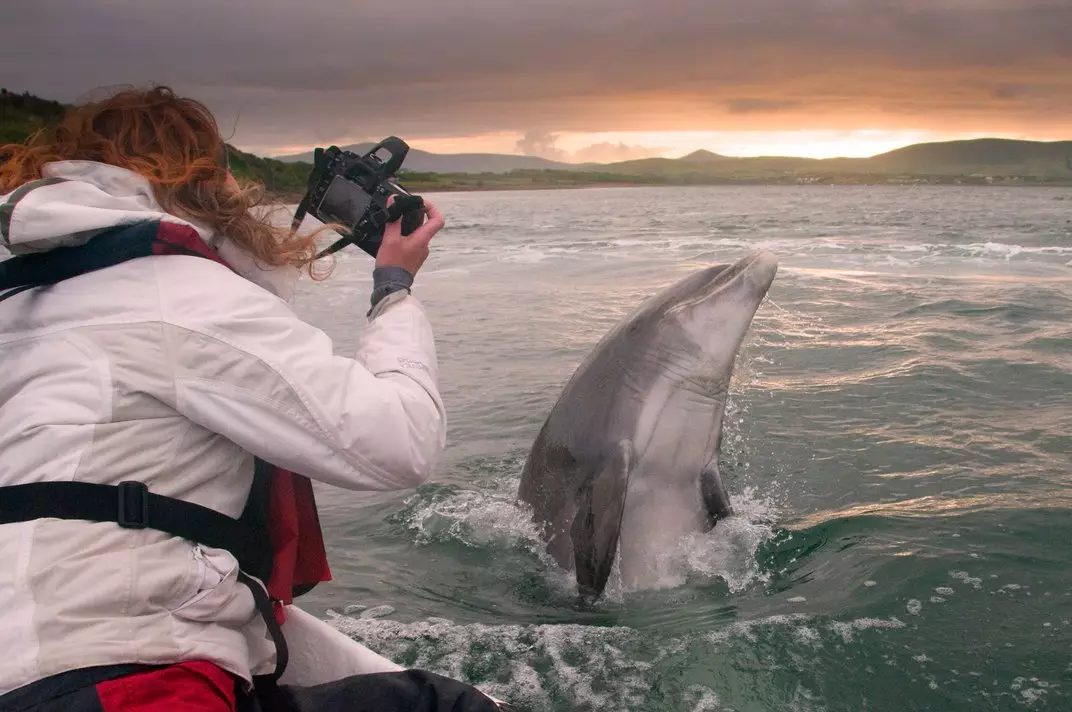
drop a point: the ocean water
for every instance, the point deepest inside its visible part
(898, 443)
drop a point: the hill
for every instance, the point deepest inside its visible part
(977, 161)
(703, 156)
(985, 155)
(283, 179)
(425, 162)
(22, 114)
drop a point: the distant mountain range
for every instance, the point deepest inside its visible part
(977, 161)
(986, 156)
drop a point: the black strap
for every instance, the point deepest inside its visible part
(16, 290)
(119, 244)
(131, 505)
(267, 611)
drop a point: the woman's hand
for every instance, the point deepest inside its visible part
(409, 252)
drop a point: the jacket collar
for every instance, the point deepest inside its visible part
(95, 196)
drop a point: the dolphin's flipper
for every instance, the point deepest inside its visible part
(715, 496)
(598, 522)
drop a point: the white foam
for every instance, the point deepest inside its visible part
(474, 518)
(746, 629)
(704, 699)
(807, 636)
(493, 518)
(727, 552)
(587, 661)
(850, 250)
(378, 612)
(528, 257)
(1006, 250)
(965, 577)
(845, 628)
(594, 667)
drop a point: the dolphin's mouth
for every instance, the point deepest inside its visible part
(758, 267)
(750, 277)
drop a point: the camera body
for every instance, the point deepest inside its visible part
(353, 190)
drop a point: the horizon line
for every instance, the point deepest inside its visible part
(514, 154)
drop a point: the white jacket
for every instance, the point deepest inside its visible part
(175, 371)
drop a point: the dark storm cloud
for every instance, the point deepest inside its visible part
(305, 71)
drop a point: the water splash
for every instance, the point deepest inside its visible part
(492, 518)
(580, 667)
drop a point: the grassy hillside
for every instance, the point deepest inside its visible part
(277, 177)
(22, 114)
(992, 156)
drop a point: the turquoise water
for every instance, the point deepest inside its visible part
(899, 445)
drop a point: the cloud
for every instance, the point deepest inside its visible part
(545, 145)
(327, 70)
(760, 106)
(540, 144)
(606, 152)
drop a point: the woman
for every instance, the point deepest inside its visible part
(154, 384)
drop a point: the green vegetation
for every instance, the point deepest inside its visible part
(22, 114)
(974, 162)
(279, 179)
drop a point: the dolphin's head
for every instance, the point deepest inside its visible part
(713, 309)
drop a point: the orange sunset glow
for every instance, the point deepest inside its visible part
(591, 81)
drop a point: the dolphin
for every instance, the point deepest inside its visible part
(627, 459)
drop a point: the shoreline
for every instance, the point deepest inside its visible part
(418, 188)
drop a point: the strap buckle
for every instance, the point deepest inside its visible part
(133, 509)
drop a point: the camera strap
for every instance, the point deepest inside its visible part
(299, 214)
(399, 206)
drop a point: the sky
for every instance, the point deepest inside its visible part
(573, 80)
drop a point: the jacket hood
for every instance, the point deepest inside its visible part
(80, 199)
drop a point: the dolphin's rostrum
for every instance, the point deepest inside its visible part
(627, 460)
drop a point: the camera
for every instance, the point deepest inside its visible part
(353, 190)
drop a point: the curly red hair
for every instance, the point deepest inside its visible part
(175, 143)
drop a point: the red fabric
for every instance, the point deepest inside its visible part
(175, 239)
(196, 686)
(298, 543)
(300, 558)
